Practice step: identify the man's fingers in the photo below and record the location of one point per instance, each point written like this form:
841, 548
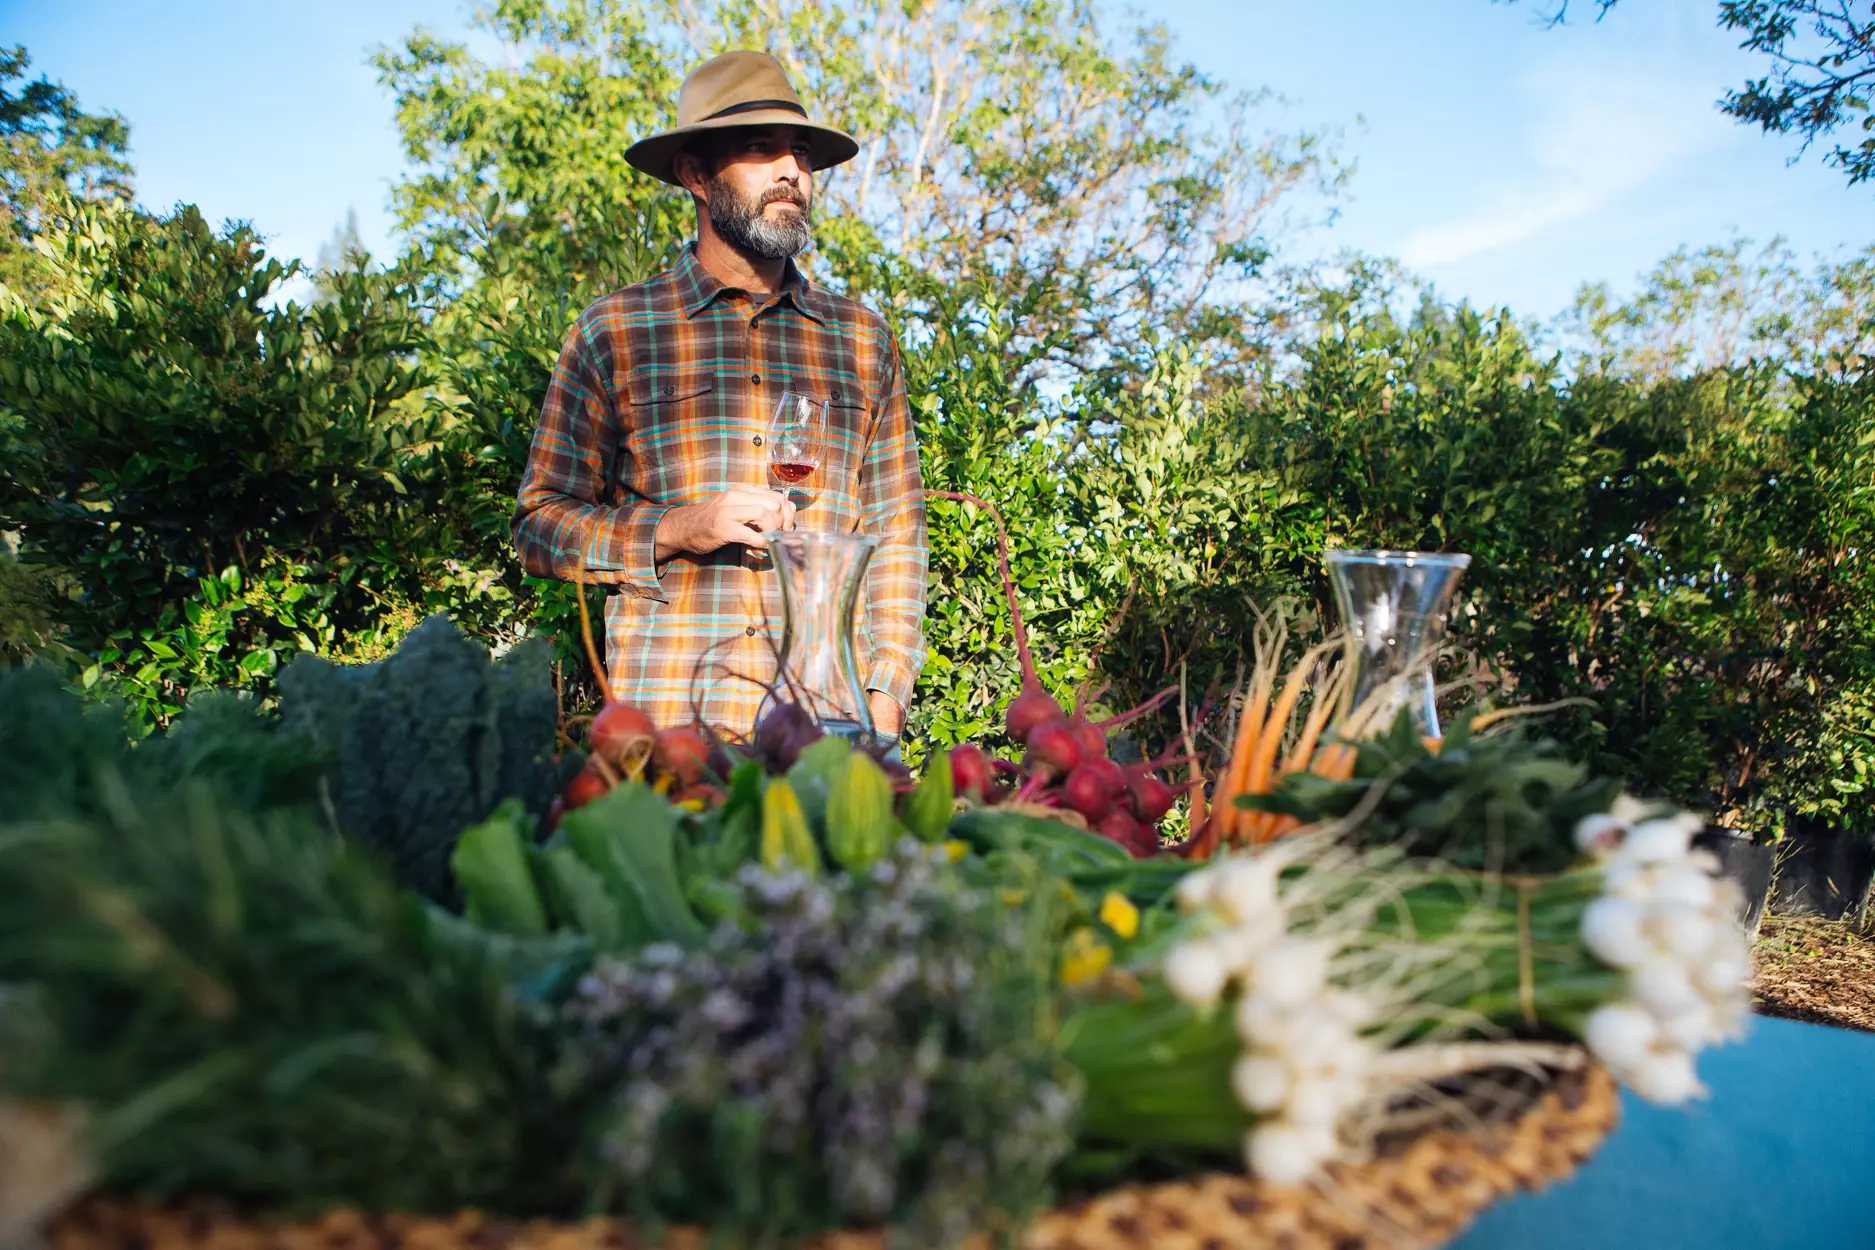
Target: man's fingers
787, 513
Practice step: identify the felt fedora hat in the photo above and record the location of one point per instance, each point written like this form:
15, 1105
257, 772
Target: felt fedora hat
731, 90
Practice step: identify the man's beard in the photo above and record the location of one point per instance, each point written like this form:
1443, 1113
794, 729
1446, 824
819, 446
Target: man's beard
745, 227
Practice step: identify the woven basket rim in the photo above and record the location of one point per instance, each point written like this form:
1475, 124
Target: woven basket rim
1421, 1193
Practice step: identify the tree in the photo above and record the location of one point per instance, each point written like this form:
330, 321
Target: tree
1728, 305
1025, 152
51, 151
1822, 71
228, 483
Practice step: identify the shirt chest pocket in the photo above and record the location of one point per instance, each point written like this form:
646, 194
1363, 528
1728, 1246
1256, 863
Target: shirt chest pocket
849, 427
675, 431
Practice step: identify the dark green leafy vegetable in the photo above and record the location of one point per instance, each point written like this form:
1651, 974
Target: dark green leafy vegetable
427, 741
1500, 801
253, 1008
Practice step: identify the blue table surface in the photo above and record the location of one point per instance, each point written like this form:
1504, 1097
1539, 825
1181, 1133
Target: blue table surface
1782, 1153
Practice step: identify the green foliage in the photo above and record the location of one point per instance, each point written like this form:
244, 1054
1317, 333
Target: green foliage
427, 742
1498, 802
59, 746
227, 482
869, 1050
490, 866
629, 838
52, 153
240, 982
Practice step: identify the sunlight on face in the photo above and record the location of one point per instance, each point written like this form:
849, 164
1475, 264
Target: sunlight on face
754, 163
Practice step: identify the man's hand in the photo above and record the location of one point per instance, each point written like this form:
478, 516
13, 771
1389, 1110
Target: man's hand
887, 716
737, 515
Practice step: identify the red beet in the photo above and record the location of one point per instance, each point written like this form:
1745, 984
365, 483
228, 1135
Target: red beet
1093, 742
709, 795
1091, 788
1120, 827
618, 730
902, 780
1052, 746
1152, 798
588, 784
682, 753
971, 770
1029, 711
784, 733
1109, 773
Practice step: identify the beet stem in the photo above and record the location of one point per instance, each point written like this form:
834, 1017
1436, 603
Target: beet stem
1150, 705
1029, 678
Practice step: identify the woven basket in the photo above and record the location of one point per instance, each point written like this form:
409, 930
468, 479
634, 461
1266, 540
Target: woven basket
1416, 1191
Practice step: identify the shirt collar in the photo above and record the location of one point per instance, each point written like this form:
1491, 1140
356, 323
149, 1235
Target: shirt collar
697, 287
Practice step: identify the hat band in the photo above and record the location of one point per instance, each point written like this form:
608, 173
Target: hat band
753, 106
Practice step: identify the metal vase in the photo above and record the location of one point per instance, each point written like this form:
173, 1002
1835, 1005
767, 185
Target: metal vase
1394, 606
821, 577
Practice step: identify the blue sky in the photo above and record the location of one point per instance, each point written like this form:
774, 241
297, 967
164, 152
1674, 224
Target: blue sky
1504, 162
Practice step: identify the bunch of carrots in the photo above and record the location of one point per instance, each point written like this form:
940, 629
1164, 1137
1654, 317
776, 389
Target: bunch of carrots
1258, 762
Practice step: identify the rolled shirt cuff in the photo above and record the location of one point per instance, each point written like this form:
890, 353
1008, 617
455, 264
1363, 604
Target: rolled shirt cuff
626, 546
891, 680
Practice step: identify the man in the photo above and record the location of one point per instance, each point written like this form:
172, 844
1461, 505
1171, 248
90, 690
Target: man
647, 472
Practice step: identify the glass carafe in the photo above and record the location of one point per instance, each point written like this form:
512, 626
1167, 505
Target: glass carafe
821, 577
1394, 606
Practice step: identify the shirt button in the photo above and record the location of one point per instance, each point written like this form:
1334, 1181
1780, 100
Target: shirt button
758, 440
755, 379
750, 631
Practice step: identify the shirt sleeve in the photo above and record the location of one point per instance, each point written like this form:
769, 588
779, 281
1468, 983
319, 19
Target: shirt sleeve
563, 527
892, 502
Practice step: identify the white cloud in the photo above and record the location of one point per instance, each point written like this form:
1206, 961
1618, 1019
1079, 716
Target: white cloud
1599, 134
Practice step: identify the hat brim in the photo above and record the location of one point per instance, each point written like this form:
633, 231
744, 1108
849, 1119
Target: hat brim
827, 147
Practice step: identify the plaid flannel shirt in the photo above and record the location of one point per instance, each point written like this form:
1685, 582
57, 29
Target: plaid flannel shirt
661, 397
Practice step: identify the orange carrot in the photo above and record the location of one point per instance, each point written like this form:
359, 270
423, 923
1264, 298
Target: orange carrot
1265, 758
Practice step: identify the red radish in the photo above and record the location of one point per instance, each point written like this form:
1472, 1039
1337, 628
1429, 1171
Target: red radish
1052, 746
588, 784
971, 770
683, 754
617, 730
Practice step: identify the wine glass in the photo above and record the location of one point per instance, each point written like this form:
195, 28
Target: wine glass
796, 433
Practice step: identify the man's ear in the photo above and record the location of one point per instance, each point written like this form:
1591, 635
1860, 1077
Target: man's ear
693, 173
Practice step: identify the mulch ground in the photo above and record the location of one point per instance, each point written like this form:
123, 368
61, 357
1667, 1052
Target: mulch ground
1821, 971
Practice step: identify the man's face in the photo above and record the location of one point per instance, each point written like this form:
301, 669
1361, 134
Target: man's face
761, 191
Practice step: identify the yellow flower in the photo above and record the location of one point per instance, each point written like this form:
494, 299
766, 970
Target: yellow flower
1084, 958
1118, 913
956, 848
